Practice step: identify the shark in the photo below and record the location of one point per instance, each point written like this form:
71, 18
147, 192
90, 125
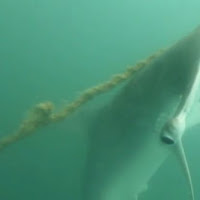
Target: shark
143, 124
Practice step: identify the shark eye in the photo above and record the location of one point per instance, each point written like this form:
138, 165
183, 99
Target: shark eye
173, 130
167, 135
167, 139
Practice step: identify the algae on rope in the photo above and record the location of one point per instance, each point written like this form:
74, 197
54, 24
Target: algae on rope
42, 114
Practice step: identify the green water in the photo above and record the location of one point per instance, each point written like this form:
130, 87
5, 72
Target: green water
52, 50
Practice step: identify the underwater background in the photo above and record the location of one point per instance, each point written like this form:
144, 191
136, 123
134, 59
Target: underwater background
53, 50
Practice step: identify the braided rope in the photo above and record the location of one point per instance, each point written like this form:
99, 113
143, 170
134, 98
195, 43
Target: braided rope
42, 114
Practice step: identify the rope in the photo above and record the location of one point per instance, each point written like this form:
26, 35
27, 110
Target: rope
42, 114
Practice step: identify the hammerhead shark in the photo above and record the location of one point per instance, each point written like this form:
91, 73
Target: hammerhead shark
132, 135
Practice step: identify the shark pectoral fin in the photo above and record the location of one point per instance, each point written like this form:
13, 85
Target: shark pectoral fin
135, 197
171, 134
184, 164
143, 189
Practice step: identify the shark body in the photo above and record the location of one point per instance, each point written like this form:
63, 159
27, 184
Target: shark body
127, 144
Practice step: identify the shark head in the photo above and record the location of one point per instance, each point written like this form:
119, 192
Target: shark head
174, 128
129, 138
